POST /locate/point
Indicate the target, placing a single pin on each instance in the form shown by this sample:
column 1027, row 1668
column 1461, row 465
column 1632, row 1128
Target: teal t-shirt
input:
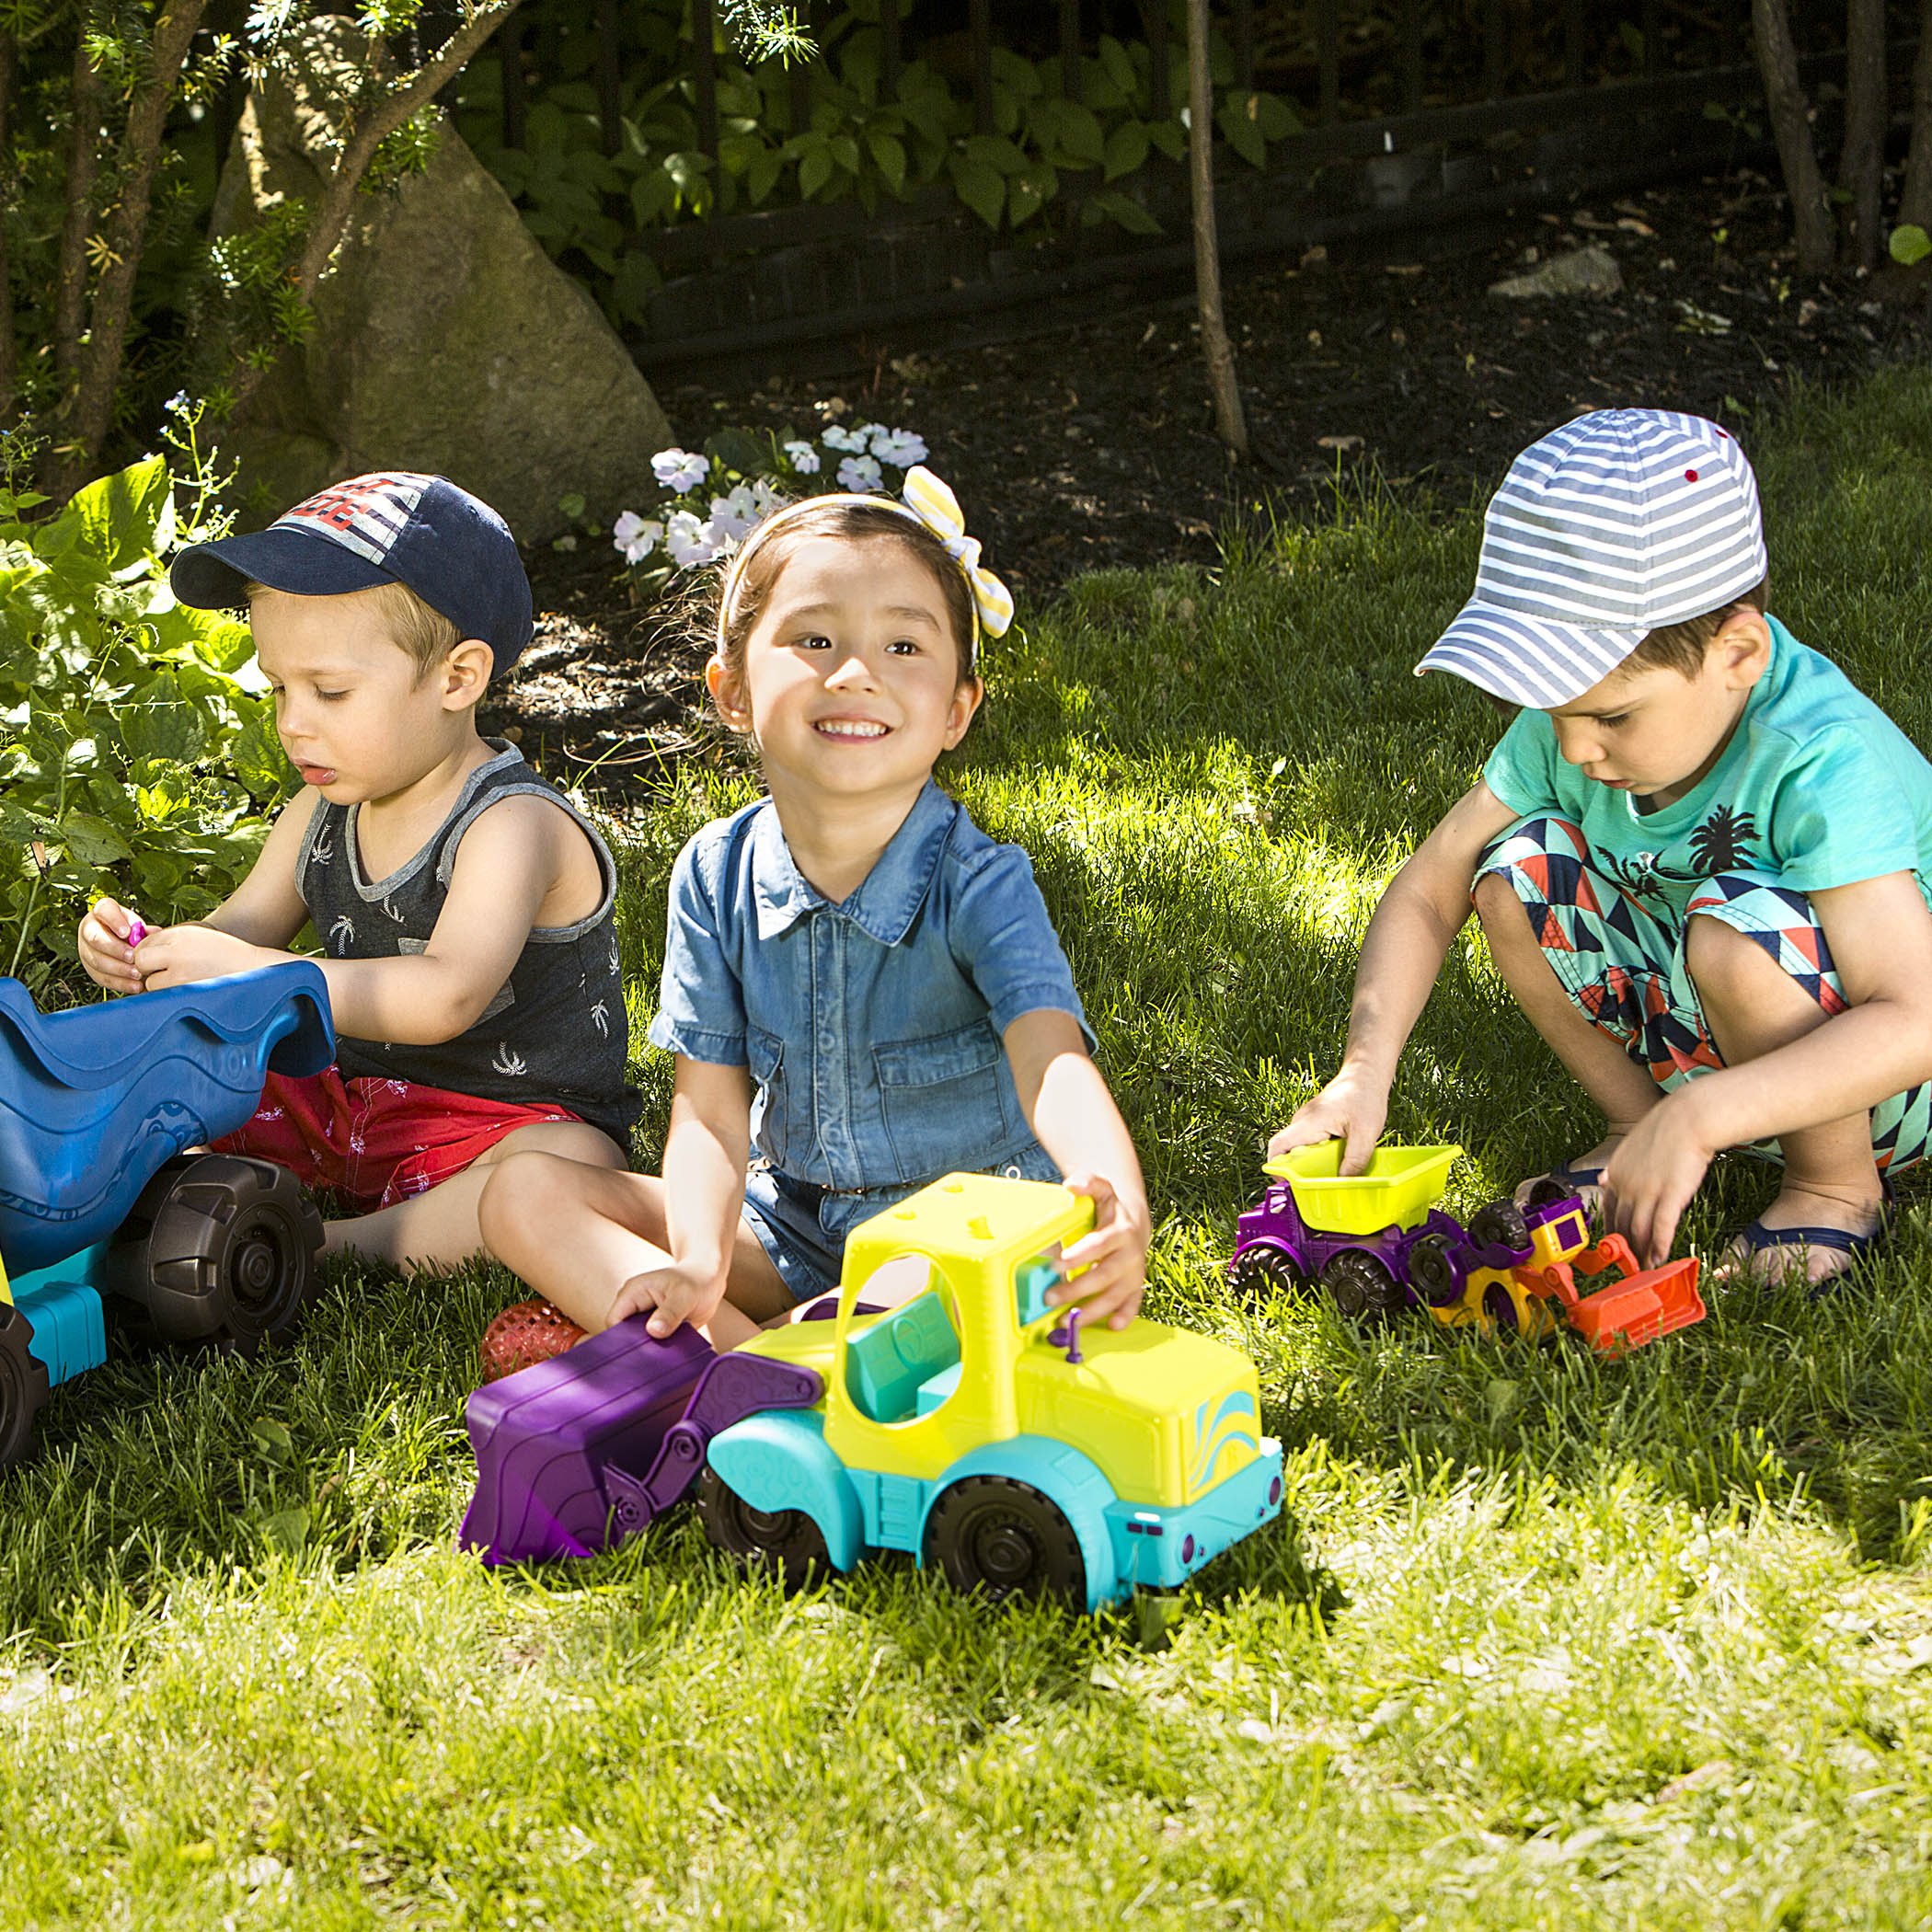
column 1817, row 788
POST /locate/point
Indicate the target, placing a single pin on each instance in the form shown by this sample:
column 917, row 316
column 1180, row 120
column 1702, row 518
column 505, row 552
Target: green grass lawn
column 1541, row 1640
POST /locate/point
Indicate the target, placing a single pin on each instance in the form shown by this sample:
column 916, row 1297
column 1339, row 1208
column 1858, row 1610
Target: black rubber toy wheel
column 1431, row 1273
column 1546, row 1191
column 1500, row 1225
column 219, row 1249
column 1361, row 1287
column 1002, row 1539
column 23, row 1385
column 1261, row 1270
column 786, row 1543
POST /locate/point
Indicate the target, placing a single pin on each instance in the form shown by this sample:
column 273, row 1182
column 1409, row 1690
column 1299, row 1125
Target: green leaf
column 889, row 158
column 257, row 755
column 982, row 188
column 1241, row 133
column 994, row 150
column 1111, row 205
column 814, row 170
column 1030, row 191
column 1910, row 244
column 92, row 840
column 1126, row 149
column 119, row 518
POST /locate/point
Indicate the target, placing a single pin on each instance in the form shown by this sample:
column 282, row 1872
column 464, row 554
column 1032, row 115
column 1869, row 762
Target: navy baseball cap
column 394, row 526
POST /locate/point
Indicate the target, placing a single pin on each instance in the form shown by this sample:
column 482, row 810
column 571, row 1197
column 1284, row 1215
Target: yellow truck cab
column 978, row 1428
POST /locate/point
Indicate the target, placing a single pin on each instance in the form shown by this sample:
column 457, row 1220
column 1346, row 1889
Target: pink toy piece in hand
column 136, row 930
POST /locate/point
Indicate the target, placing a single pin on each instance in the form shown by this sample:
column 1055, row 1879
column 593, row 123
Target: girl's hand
column 1114, row 1256
column 1651, row 1175
column 107, row 951
column 673, row 1295
column 179, row 955
column 1352, row 1108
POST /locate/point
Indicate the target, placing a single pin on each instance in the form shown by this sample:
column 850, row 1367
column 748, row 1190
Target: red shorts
column 375, row 1142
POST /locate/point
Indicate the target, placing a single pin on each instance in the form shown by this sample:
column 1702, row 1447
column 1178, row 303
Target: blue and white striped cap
column 396, row 526
column 1619, row 523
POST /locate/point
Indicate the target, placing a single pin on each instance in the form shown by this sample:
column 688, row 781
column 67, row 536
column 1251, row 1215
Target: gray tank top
column 554, row 1032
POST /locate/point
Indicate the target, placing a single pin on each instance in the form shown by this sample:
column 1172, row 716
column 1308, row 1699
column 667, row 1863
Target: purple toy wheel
column 1500, row 1225
column 1261, row 1270
column 1432, row 1272
column 23, row 1385
column 1498, row 1306
column 1363, row 1289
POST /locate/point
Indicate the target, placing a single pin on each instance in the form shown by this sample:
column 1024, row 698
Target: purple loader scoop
column 559, row 1444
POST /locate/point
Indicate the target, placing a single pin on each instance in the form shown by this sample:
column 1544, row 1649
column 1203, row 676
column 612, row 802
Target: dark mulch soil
column 1095, row 448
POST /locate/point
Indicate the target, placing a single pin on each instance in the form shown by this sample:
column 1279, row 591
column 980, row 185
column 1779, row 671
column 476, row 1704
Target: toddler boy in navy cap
column 464, row 907
column 1700, row 854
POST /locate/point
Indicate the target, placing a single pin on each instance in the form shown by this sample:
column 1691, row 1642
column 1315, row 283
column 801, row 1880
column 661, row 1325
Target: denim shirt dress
column 872, row 1028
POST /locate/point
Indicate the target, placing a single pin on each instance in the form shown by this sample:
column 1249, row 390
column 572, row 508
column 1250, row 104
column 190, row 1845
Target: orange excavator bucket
column 1641, row 1306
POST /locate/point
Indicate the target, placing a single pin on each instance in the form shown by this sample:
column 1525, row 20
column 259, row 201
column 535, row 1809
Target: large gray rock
column 445, row 340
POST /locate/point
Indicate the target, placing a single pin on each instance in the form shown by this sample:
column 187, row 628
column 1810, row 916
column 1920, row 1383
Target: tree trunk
column 10, row 353
column 1216, row 348
column 1861, row 162
column 1790, row 122
column 1916, row 202
column 334, row 206
column 85, row 423
column 70, row 276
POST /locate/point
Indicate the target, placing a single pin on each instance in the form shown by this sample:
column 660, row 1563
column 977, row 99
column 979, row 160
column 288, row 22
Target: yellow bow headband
column 927, row 501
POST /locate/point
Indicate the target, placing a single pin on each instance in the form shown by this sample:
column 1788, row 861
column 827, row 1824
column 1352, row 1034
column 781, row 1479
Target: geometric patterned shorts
column 1626, row 969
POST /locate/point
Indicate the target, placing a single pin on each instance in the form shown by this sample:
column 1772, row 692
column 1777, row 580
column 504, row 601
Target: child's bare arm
column 264, row 909
column 1879, row 933
column 705, row 1152
column 1408, row 937
column 505, row 868
column 1069, row 1107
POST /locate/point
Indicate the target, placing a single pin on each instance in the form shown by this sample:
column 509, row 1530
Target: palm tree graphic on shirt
column 1722, row 843
column 344, row 931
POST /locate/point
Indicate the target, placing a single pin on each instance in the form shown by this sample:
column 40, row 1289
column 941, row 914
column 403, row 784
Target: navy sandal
column 1759, row 1239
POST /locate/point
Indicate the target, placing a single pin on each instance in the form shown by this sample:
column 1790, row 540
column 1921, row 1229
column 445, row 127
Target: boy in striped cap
column 1700, row 854
column 464, row 907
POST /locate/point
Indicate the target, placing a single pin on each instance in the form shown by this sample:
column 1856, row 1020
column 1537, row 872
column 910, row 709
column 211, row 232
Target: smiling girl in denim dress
column 862, row 990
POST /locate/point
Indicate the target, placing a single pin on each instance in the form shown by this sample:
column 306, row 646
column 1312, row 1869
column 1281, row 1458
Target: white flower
column 679, row 470
column 177, row 403
column 802, row 458
column 901, row 448
column 860, row 472
column 636, row 536
column 835, row 438
column 690, row 542
column 767, row 496
column 733, row 515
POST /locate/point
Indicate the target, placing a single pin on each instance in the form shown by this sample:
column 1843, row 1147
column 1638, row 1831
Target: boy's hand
column 177, row 955
column 1651, row 1175
column 106, row 952
column 673, row 1295
column 1114, row 1256
column 1352, row 1108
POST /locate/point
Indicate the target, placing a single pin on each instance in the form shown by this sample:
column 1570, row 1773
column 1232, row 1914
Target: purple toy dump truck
column 1374, row 1241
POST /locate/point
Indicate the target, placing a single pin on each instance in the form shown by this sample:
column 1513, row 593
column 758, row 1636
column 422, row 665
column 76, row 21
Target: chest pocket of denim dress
column 946, row 1100
column 765, row 1054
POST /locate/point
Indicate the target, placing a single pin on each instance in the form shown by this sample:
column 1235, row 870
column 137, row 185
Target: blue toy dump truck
column 97, row 1199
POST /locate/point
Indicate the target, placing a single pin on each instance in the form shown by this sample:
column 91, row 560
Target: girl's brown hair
column 1684, row 646
column 743, row 593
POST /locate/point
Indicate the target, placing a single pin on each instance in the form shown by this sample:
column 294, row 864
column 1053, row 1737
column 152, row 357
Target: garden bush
column 135, row 757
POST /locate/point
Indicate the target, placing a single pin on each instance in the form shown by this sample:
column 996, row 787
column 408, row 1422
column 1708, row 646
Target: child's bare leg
column 1754, row 1007
column 577, row 1234
column 439, row 1229
column 1622, row 1090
